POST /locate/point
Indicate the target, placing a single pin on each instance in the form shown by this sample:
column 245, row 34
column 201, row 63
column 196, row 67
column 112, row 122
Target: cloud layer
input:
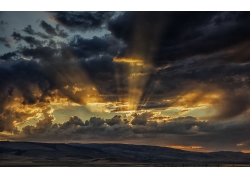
column 192, row 65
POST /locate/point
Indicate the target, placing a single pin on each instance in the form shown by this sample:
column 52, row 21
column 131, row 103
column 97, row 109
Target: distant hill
column 75, row 154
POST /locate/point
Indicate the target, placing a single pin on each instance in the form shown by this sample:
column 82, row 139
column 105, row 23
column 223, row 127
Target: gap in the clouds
column 199, row 112
column 30, row 121
column 63, row 113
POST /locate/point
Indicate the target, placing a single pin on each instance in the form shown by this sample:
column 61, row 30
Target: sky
column 172, row 79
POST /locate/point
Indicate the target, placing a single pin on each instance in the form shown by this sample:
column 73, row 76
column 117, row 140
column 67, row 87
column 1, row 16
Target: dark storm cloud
column 235, row 104
column 52, row 44
column 94, row 67
column 30, row 31
column 114, row 120
column 5, row 42
column 75, row 128
column 83, row 21
column 96, row 59
column 72, row 122
column 87, row 47
column 53, row 61
column 68, row 58
column 60, row 32
column 23, row 75
column 201, row 77
column 168, row 36
column 17, row 36
column 53, row 31
column 28, row 82
column 140, row 119
column 3, row 102
column 33, row 42
column 48, row 28
column 44, row 36
column 96, row 121
column 84, row 48
column 8, row 56
column 39, row 52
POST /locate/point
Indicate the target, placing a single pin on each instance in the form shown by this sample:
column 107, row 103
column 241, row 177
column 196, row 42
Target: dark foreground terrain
column 48, row 154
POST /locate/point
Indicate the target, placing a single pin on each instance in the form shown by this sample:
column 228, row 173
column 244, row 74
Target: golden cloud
column 190, row 148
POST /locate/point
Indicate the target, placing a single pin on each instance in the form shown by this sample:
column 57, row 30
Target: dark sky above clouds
column 162, row 78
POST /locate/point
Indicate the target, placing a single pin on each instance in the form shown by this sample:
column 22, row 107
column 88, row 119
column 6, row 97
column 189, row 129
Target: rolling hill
column 76, row 154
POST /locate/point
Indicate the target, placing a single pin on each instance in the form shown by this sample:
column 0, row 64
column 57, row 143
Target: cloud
column 33, row 42
column 22, row 91
column 96, row 121
column 82, row 46
column 17, row 36
column 182, row 130
column 180, row 125
column 39, row 52
column 8, row 56
column 42, row 125
column 85, row 48
column 84, row 21
column 74, row 128
column 141, row 119
column 198, row 83
column 93, row 58
column 37, row 79
column 88, row 57
column 169, row 61
column 171, row 36
column 229, row 110
column 53, row 31
column 48, row 28
column 30, row 31
column 5, row 42
column 114, row 120
column 185, row 131
column 73, row 121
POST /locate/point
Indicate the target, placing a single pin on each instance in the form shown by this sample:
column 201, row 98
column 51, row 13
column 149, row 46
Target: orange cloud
column 245, row 151
column 198, row 98
column 190, row 148
column 240, row 144
column 131, row 61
